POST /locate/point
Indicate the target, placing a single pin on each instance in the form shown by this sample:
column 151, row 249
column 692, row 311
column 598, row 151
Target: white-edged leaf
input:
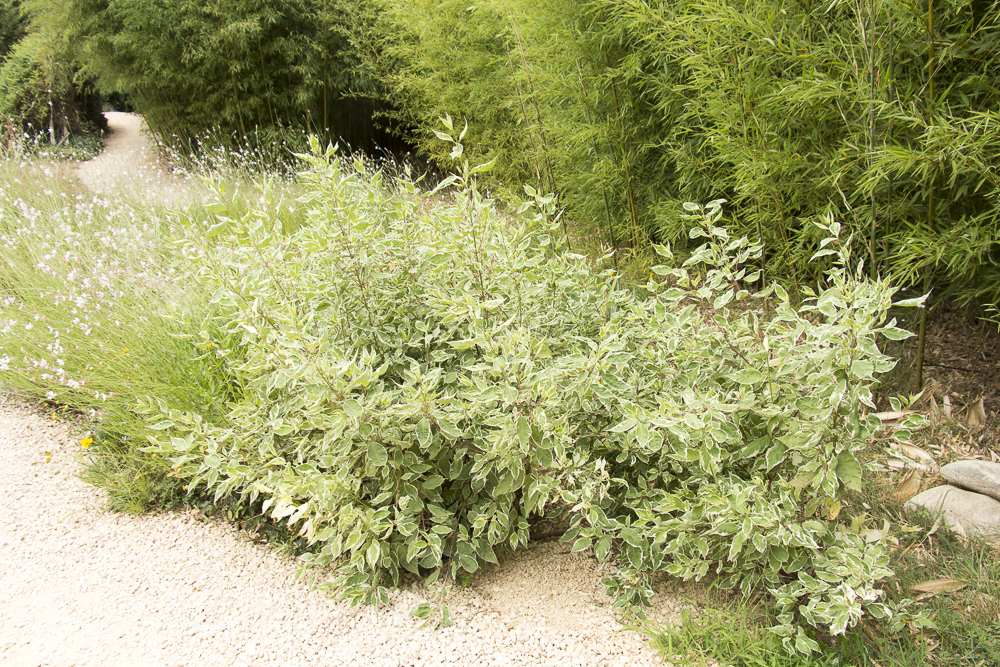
column 747, row 376
column 377, row 454
column 894, row 333
column 424, row 432
column 911, row 303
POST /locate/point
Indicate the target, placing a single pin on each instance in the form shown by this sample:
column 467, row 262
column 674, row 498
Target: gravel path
column 130, row 163
column 81, row 586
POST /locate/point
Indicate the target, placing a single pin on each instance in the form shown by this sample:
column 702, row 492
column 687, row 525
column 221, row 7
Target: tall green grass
column 97, row 306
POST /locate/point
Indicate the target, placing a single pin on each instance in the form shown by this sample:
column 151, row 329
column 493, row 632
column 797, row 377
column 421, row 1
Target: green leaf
column 862, row 369
column 162, row 426
column 373, row 553
column 523, row 432
column 422, row 610
column 775, row 455
column 424, row 432
column 217, row 228
column 631, row 537
column 485, row 551
column 626, row 425
column 602, row 548
column 893, row 333
column 747, row 376
column 581, row 544
column 433, row 482
column 449, row 429
column 352, row 408
column 849, row 471
column 911, row 303
column 377, row 454
column 805, row 644
column 182, row 444
column 486, row 166
column 509, row 395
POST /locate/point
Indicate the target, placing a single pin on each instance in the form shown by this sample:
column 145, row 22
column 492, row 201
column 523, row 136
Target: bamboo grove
column 883, row 113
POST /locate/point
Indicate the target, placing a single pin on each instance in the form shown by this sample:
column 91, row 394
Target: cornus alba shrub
column 417, row 381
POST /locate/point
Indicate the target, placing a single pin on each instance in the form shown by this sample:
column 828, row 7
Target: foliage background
column 881, row 112
column 41, row 90
column 251, row 72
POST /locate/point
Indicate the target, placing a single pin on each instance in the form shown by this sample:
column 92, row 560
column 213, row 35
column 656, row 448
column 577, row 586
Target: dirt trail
column 81, row 586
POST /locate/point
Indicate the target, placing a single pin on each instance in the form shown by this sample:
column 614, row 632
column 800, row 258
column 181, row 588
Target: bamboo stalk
column 609, row 234
column 633, row 215
column 873, row 269
column 534, row 101
column 527, row 123
column 931, row 202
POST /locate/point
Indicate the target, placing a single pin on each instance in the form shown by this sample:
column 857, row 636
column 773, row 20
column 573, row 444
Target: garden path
column 82, row 586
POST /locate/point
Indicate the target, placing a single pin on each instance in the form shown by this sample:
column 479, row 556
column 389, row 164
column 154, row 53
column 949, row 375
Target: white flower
column 50, row 395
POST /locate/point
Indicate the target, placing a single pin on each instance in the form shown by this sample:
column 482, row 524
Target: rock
column 979, row 476
column 965, row 512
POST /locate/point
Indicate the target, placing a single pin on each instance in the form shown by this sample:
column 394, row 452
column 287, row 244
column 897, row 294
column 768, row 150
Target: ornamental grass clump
column 410, row 384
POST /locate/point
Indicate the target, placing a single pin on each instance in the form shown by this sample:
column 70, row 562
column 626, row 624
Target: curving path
column 81, row 586
column 130, row 162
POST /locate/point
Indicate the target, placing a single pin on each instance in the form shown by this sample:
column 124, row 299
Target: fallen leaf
column 893, row 416
column 934, row 414
column 915, row 453
column 896, row 464
column 946, row 405
column 935, row 586
column 909, row 487
column 934, row 528
column 976, row 417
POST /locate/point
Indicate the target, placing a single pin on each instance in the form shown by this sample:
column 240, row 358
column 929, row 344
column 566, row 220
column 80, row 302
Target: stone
column 979, row 476
column 965, row 512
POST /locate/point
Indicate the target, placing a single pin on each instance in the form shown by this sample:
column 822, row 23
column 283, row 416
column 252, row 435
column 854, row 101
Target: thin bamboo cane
column 931, row 213
column 608, row 234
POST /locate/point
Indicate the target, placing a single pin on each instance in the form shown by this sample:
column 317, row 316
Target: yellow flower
column 86, row 442
column 48, row 456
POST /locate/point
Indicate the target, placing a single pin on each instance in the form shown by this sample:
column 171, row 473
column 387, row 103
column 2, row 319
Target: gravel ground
column 82, row 586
